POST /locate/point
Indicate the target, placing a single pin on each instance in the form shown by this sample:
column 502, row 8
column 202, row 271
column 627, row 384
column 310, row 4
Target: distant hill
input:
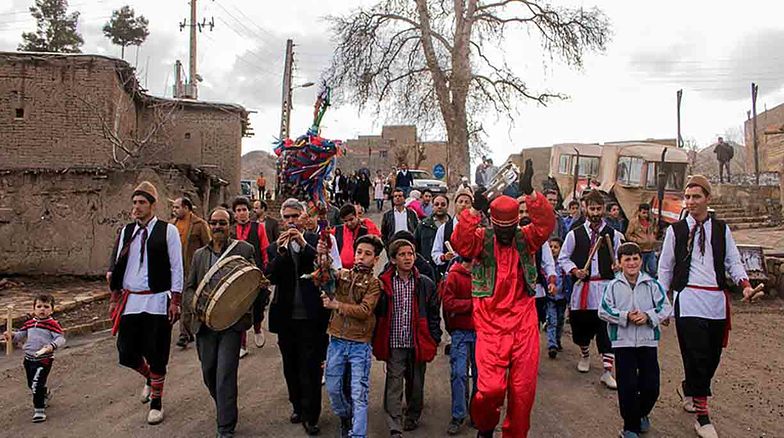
column 259, row 161
column 706, row 163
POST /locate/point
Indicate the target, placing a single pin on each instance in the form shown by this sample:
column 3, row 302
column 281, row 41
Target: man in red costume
column 507, row 335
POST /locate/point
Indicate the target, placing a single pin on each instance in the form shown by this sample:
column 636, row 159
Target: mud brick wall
column 66, row 223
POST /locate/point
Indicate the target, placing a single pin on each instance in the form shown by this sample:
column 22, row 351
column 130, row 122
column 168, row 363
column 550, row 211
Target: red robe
column 507, row 344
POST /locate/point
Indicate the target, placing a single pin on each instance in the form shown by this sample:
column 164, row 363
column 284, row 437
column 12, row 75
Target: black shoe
column 345, row 427
column 486, row 434
column 310, row 428
column 295, row 417
column 454, row 427
column 447, row 349
column 410, row 425
column 183, row 341
column 559, row 347
column 552, row 352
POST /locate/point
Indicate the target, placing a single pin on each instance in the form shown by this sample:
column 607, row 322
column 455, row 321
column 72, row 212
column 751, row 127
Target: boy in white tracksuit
column 634, row 305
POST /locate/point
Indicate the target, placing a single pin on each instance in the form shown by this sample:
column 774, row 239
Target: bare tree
column 439, row 62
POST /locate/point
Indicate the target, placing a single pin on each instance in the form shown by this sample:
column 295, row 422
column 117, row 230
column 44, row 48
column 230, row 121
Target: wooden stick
column 591, row 254
column 610, row 247
column 449, row 247
column 9, row 344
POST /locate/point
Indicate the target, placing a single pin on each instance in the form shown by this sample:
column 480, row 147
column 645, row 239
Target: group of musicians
column 154, row 264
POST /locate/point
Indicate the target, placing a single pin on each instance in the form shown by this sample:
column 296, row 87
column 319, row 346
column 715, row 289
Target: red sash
column 728, row 326
column 120, row 307
column 584, row 291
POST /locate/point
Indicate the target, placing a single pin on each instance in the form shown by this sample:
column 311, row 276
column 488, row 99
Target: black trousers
column 142, row 336
column 303, row 347
column 220, row 360
column 37, row 373
column 701, row 342
column 541, row 309
column 259, row 304
column 586, row 325
column 637, row 373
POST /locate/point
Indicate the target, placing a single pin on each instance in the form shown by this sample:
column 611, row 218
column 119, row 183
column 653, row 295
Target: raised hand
column 526, row 178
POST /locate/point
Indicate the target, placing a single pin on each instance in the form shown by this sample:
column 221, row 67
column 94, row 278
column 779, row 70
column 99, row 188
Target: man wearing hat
column 507, row 336
column 146, row 283
column 439, row 253
column 697, row 256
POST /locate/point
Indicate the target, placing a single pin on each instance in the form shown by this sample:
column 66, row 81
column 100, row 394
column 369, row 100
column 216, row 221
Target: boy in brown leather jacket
column 351, row 330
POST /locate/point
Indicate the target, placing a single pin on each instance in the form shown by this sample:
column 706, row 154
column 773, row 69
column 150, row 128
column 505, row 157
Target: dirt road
column 96, row 397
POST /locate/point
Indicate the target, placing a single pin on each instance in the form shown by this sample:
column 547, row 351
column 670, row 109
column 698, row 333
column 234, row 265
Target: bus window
column 629, row 171
column 675, row 174
column 589, row 166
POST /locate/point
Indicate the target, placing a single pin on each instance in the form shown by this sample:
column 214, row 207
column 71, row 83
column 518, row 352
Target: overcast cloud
column 712, row 50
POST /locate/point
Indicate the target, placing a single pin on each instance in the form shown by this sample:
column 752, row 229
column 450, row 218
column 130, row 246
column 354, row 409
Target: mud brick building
column 77, row 133
column 770, row 140
column 401, row 143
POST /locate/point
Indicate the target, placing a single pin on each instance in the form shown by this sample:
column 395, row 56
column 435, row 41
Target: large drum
column 227, row 291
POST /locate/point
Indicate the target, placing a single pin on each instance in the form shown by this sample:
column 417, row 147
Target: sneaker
column 628, row 434
column 39, row 416
column 454, row 427
column 485, row 434
column 146, row 391
column 687, row 402
column 552, row 352
column 243, row 353
column 645, row 424
column 706, row 431
column 559, row 347
column 410, row 425
column 311, row 429
column 259, row 339
column 295, row 418
column 182, row 342
column 608, row 380
column 584, row 364
column 447, row 349
column 345, row 427
column 155, row 416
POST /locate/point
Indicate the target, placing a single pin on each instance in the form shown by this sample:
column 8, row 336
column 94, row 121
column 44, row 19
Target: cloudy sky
column 711, row 50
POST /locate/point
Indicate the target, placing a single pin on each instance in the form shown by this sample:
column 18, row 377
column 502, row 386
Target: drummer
column 219, row 347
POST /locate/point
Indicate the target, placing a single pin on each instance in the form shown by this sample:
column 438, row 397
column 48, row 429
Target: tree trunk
column 457, row 142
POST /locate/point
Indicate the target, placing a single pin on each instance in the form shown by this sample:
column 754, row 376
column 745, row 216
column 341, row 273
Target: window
column 19, row 113
column 565, row 165
column 382, row 154
column 674, row 172
column 187, row 135
column 629, row 171
column 589, row 166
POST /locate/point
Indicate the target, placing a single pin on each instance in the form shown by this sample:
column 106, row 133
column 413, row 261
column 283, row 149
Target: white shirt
column 401, row 220
column 595, row 287
column 333, row 252
column 438, row 242
column 697, row 302
column 135, row 278
column 548, row 266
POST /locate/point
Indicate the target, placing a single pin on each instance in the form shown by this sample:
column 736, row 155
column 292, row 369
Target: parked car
column 424, row 180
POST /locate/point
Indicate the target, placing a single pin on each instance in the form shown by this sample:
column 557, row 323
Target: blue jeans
column 649, row 263
column 462, row 351
column 342, row 353
column 555, row 322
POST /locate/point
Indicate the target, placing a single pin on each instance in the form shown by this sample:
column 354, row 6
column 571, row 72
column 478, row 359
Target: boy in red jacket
column 456, row 299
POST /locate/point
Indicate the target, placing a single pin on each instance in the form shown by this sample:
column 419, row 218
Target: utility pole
column 190, row 90
column 285, row 113
column 754, row 89
column 679, row 139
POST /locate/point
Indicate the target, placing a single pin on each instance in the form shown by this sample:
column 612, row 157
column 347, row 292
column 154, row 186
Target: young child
column 458, row 307
column 43, row 335
column 556, row 301
column 634, row 305
column 351, row 330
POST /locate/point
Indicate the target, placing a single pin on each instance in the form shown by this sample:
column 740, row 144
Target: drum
column 227, row 291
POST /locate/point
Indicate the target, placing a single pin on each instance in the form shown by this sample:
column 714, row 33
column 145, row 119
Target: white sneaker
column 243, row 353
column 608, row 380
column 39, row 416
column 155, row 416
column 259, row 339
column 707, row 431
column 687, row 402
column 584, row 364
column 146, row 391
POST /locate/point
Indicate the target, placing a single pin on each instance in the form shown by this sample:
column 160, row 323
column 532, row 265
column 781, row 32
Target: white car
column 423, row 180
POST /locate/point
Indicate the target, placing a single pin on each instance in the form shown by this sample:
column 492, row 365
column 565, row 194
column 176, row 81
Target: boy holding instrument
column 588, row 254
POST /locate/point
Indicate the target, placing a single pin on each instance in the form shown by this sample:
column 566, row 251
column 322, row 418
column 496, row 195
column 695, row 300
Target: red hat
column 504, row 211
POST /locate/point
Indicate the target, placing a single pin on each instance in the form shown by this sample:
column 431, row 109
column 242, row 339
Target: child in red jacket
column 458, row 306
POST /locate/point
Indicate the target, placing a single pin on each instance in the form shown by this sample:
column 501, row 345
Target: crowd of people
column 499, row 271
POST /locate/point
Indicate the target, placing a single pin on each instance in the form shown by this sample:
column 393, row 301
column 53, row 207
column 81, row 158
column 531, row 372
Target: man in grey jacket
column 219, row 350
column 634, row 305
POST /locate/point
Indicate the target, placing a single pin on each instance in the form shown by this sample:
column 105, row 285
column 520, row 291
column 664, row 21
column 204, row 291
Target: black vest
column 448, row 228
column 339, row 235
column 680, row 274
column 253, row 239
column 540, row 277
column 582, row 247
column 157, row 253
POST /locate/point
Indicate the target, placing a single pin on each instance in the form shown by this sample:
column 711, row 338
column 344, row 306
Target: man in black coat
column 404, row 179
column 398, row 219
column 297, row 316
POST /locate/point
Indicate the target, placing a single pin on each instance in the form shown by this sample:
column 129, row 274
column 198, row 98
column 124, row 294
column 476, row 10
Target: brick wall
column 770, row 140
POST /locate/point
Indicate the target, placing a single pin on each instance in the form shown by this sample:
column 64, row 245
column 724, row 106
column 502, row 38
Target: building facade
column 770, row 140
